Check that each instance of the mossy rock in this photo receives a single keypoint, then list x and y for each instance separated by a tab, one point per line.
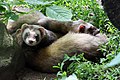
11	57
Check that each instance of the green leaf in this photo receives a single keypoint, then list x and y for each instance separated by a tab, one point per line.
39	2
56	67
114	62
72	77
61	67
2	9
64	74
13	16
66	57
59	13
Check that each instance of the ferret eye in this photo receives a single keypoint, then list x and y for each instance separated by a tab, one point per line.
91	30
27	34
37	37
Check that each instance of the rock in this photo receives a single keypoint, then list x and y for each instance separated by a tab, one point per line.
112	8
11	57
29	74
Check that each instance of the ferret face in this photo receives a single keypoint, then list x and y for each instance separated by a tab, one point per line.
88	28
84	27
32	35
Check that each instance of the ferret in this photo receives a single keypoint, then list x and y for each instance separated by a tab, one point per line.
60	27
45	58
64	27
34	35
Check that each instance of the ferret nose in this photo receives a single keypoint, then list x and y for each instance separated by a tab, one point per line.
31	41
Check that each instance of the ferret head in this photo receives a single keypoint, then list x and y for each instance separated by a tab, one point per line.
84	27
32	34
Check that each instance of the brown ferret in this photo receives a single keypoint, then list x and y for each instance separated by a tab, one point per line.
60	27
64	27
45	58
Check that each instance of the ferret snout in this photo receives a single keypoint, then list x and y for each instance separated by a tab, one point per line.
31	40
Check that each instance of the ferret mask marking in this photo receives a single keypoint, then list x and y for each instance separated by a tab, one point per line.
88	28
31	36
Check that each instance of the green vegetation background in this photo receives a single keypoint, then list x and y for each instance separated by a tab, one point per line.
90	11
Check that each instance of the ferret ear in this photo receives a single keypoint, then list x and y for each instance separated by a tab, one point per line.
42	31
81	29
18	31
18	37
24	26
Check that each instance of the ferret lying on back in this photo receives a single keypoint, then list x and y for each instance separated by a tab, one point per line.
34	38
45	58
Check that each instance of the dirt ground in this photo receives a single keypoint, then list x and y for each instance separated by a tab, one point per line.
28	74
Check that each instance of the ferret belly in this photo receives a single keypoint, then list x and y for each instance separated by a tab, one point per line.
44	62
71	43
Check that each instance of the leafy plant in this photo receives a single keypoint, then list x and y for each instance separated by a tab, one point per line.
59	13
39	2
87	10
56	12
6	12
114	62
62	75
91	12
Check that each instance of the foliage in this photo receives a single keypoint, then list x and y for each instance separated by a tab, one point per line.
62	75
86	70
87	10
59	13
115	61
38	2
56	12
6	13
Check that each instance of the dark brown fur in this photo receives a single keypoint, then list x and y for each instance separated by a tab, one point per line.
30	18
64	27
61	27
45	58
